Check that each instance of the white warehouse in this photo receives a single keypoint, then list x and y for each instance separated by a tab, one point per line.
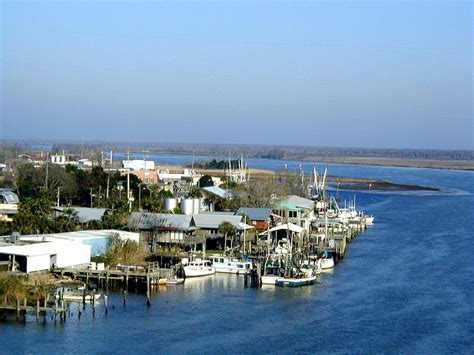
43	256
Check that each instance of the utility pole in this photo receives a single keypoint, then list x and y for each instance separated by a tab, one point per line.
47	166
91	196
139	196
128	185
59	188
107	192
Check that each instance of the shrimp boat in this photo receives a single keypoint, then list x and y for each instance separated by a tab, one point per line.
229	265
305	279
199	268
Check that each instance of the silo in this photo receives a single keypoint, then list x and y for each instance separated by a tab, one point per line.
187	206
196	205
170	204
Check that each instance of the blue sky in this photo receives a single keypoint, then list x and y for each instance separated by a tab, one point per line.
359	74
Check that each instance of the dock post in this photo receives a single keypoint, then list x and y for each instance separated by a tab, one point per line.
259	275
148	289
37	309
18	308
126	280
106	305
84	298
93	303
124	298
79	307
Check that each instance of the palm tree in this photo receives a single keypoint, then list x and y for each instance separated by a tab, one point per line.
227	229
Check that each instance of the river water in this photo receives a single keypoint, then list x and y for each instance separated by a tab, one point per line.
405	285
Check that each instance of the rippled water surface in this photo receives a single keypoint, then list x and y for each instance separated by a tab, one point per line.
406	285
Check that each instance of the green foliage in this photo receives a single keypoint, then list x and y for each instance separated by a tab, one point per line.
205	181
195	193
152	204
67	222
165	194
219	165
5	227
227	229
33	214
177	210
124	251
114	220
12	288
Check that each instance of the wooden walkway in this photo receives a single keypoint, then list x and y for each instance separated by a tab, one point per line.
23	308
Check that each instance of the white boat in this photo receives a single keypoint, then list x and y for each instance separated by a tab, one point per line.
76	295
327	263
229	265
199	268
174	281
269	279
296	281
369	220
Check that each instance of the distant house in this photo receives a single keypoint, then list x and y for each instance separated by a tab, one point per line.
165	176
261	218
208	226
59	159
148	177
8	204
297	210
24	156
138	164
211	194
161	229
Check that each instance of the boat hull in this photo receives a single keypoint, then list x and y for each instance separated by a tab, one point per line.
269	280
176	281
291	282
199	272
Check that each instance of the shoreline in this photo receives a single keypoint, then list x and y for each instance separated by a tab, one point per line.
345	183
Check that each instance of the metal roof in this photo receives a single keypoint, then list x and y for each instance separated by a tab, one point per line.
36	249
297	201
286	226
149	220
216	190
255	214
81	235
9	196
213	221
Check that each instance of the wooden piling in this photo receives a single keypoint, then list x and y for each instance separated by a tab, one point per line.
148	303
106	304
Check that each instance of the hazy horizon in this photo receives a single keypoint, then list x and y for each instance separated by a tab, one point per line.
387	74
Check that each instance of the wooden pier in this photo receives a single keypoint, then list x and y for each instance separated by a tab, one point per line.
22	308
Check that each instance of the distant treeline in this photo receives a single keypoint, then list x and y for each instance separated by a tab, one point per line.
218	165
254	151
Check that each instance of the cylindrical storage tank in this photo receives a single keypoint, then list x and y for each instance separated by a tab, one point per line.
100	266
93	265
196	205
170	204
187	206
